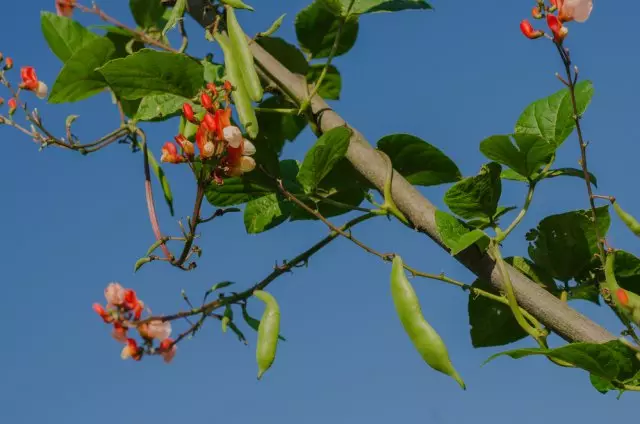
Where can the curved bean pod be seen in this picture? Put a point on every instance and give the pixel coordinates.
(268, 332)
(243, 55)
(425, 339)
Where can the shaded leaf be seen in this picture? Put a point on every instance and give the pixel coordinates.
(418, 161)
(285, 53)
(265, 213)
(320, 159)
(570, 172)
(375, 6)
(476, 197)
(456, 236)
(147, 13)
(317, 28)
(331, 84)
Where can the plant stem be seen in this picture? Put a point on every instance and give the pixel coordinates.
(523, 212)
(193, 224)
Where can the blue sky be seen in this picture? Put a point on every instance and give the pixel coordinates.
(452, 77)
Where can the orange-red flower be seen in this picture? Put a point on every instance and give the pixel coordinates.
(170, 153)
(185, 144)
(168, 350)
(30, 82)
(227, 86)
(187, 111)
(65, 7)
(212, 88)
(528, 31)
(8, 64)
(119, 332)
(559, 31)
(106, 317)
(206, 101)
(131, 350)
(13, 105)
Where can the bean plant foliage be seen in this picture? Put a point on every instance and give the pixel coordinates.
(232, 120)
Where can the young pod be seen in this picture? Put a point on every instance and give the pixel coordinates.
(268, 332)
(425, 339)
(240, 96)
(628, 219)
(240, 47)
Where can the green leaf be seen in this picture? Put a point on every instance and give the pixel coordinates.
(609, 361)
(265, 213)
(476, 197)
(570, 172)
(375, 6)
(159, 107)
(534, 272)
(317, 28)
(492, 323)
(276, 128)
(237, 190)
(418, 161)
(331, 84)
(177, 13)
(64, 36)
(588, 292)
(320, 159)
(600, 384)
(552, 117)
(162, 178)
(627, 271)
(149, 72)
(140, 262)
(147, 13)
(456, 236)
(285, 53)
(510, 174)
(564, 244)
(79, 79)
(525, 158)
(219, 286)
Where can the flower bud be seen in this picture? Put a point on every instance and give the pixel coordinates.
(13, 105)
(248, 149)
(206, 101)
(8, 64)
(247, 164)
(208, 150)
(1, 101)
(212, 88)
(227, 86)
(536, 13)
(209, 122)
(187, 112)
(186, 145)
(42, 91)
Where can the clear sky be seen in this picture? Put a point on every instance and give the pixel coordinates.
(71, 224)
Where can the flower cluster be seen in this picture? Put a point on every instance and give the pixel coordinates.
(218, 142)
(123, 309)
(29, 82)
(557, 14)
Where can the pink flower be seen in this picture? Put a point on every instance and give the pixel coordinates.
(131, 350)
(119, 333)
(103, 314)
(168, 350)
(114, 293)
(574, 10)
(159, 330)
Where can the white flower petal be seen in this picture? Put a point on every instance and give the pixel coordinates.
(248, 148)
(233, 136)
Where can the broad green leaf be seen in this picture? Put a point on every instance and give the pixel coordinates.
(418, 161)
(317, 28)
(79, 79)
(588, 292)
(456, 236)
(510, 174)
(320, 159)
(350, 198)
(374, 6)
(564, 244)
(492, 323)
(331, 84)
(130, 107)
(476, 197)
(552, 117)
(627, 271)
(609, 361)
(534, 272)
(238, 190)
(147, 13)
(483, 223)
(265, 213)
(343, 177)
(570, 172)
(525, 158)
(159, 107)
(600, 384)
(286, 53)
(149, 72)
(276, 128)
(64, 36)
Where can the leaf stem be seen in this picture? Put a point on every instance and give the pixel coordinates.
(523, 212)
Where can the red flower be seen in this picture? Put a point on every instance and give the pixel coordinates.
(212, 88)
(30, 82)
(8, 64)
(119, 332)
(13, 105)
(559, 31)
(167, 350)
(65, 7)
(227, 86)
(169, 155)
(209, 122)
(131, 350)
(187, 111)
(206, 101)
(103, 314)
(623, 297)
(528, 31)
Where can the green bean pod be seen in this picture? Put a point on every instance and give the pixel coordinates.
(268, 332)
(626, 302)
(238, 4)
(628, 219)
(425, 339)
(227, 318)
(240, 47)
(240, 96)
